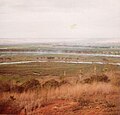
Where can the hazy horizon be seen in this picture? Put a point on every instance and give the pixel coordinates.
(7, 41)
(27, 21)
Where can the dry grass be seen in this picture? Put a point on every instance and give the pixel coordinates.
(79, 92)
(102, 92)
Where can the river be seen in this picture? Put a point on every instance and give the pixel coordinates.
(74, 62)
(45, 52)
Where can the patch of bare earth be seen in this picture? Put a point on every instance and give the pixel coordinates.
(98, 105)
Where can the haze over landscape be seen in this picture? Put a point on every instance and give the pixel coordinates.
(59, 57)
(31, 21)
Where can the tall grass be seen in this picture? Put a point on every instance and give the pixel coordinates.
(36, 99)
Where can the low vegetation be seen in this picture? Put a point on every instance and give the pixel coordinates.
(79, 89)
(97, 78)
(85, 96)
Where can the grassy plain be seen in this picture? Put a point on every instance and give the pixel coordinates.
(39, 70)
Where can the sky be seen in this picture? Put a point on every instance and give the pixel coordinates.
(59, 20)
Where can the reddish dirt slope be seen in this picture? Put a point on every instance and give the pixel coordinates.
(69, 107)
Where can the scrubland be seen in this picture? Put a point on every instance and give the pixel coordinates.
(59, 89)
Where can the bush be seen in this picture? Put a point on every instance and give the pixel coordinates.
(18, 89)
(97, 78)
(51, 84)
(4, 86)
(64, 82)
(30, 85)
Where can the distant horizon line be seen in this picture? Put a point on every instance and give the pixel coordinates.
(84, 40)
(62, 42)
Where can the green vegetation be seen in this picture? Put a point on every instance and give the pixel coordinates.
(22, 72)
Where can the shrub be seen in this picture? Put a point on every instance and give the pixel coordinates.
(64, 82)
(97, 78)
(4, 86)
(30, 85)
(18, 89)
(51, 84)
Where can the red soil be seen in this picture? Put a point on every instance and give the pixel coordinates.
(67, 107)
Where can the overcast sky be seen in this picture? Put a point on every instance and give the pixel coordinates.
(57, 20)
